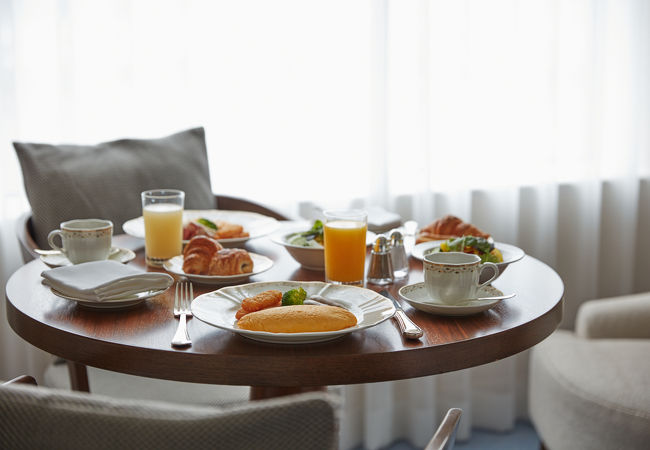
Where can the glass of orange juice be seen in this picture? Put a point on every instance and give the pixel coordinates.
(162, 210)
(345, 246)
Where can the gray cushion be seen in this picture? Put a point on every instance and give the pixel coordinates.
(591, 393)
(65, 182)
(35, 417)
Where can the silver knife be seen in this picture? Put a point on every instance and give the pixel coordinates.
(406, 325)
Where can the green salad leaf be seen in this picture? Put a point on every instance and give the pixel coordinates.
(310, 238)
(478, 243)
(472, 244)
(489, 257)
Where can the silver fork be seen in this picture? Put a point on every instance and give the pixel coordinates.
(182, 298)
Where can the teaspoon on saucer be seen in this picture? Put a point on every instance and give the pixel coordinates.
(470, 301)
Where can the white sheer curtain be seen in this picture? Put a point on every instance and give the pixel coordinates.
(528, 118)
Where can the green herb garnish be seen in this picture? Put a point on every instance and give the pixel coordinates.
(207, 223)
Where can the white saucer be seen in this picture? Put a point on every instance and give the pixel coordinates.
(416, 295)
(118, 303)
(58, 259)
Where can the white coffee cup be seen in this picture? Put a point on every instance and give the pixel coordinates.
(453, 277)
(83, 240)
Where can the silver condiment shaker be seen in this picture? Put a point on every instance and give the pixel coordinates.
(398, 256)
(380, 270)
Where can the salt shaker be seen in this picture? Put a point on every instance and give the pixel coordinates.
(380, 270)
(398, 256)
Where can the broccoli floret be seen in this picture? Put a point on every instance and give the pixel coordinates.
(294, 297)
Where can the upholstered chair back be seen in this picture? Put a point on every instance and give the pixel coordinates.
(35, 417)
(64, 182)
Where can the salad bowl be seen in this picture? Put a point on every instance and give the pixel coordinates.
(312, 258)
(308, 253)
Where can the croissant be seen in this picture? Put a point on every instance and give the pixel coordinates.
(202, 244)
(448, 227)
(231, 261)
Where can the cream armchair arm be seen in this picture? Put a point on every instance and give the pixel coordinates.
(625, 317)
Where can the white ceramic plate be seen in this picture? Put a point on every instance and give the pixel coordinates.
(119, 303)
(509, 252)
(58, 259)
(256, 225)
(312, 258)
(260, 264)
(218, 308)
(416, 295)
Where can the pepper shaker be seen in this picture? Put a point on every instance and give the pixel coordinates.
(380, 270)
(398, 256)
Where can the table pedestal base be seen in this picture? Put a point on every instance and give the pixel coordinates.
(78, 377)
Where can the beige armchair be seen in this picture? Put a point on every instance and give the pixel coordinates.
(591, 389)
(35, 417)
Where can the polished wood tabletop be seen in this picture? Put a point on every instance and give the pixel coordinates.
(137, 340)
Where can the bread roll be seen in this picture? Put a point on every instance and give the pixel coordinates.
(298, 319)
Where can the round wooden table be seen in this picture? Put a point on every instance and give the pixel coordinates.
(137, 341)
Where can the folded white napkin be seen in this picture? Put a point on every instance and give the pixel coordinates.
(380, 220)
(103, 280)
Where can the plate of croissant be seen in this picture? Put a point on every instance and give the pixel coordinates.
(453, 234)
(206, 261)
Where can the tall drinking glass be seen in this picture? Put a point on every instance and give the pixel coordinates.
(345, 246)
(162, 210)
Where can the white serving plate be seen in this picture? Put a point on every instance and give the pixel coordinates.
(218, 308)
(257, 225)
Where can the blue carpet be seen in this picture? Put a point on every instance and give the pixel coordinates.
(523, 437)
